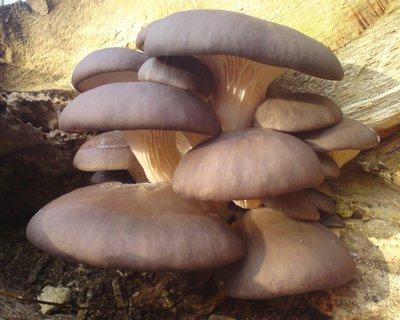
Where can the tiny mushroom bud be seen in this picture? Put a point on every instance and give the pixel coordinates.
(322, 201)
(247, 164)
(149, 113)
(348, 134)
(296, 112)
(284, 257)
(107, 66)
(108, 151)
(325, 188)
(244, 53)
(143, 227)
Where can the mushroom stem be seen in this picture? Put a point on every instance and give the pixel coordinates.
(343, 156)
(156, 151)
(240, 86)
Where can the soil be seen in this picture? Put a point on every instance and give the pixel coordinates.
(25, 270)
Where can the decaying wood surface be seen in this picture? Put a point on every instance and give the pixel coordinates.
(39, 51)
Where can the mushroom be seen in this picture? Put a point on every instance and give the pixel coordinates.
(150, 113)
(296, 112)
(347, 135)
(329, 166)
(105, 66)
(244, 53)
(247, 164)
(284, 257)
(325, 188)
(296, 205)
(122, 176)
(330, 220)
(322, 201)
(144, 227)
(108, 151)
(186, 73)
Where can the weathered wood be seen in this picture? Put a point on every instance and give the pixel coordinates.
(39, 51)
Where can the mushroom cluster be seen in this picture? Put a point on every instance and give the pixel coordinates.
(186, 129)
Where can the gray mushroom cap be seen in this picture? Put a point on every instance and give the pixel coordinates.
(212, 32)
(138, 106)
(106, 151)
(247, 164)
(296, 112)
(285, 257)
(144, 227)
(107, 66)
(186, 73)
(348, 134)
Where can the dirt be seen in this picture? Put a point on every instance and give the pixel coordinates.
(150, 295)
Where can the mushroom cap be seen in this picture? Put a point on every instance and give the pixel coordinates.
(138, 106)
(144, 227)
(107, 66)
(330, 220)
(122, 176)
(347, 134)
(186, 73)
(294, 205)
(212, 32)
(247, 164)
(322, 201)
(106, 151)
(325, 188)
(295, 112)
(329, 166)
(285, 257)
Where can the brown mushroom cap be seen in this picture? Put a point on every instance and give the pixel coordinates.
(211, 32)
(347, 134)
(295, 112)
(138, 106)
(247, 164)
(106, 151)
(330, 220)
(107, 66)
(122, 176)
(285, 257)
(294, 205)
(186, 73)
(329, 166)
(322, 201)
(144, 227)
(324, 188)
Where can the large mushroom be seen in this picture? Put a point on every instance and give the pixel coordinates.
(144, 227)
(105, 66)
(285, 257)
(244, 53)
(248, 164)
(149, 113)
(108, 151)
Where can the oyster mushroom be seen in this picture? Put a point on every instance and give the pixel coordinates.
(149, 113)
(144, 227)
(105, 66)
(244, 53)
(329, 166)
(108, 151)
(247, 164)
(284, 257)
(102, 176)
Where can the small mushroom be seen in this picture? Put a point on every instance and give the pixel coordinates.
(244, 53)
(105, 66)
(329, 166)
(144, 227)
(108, 151)
(185, 72)
(149, 113)
(348, 134)
(284, 257)
(122, 176)
(325, 188)
(330, 220)
(296, 112)
(296, 205)
(247, 164)
(322, 201)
